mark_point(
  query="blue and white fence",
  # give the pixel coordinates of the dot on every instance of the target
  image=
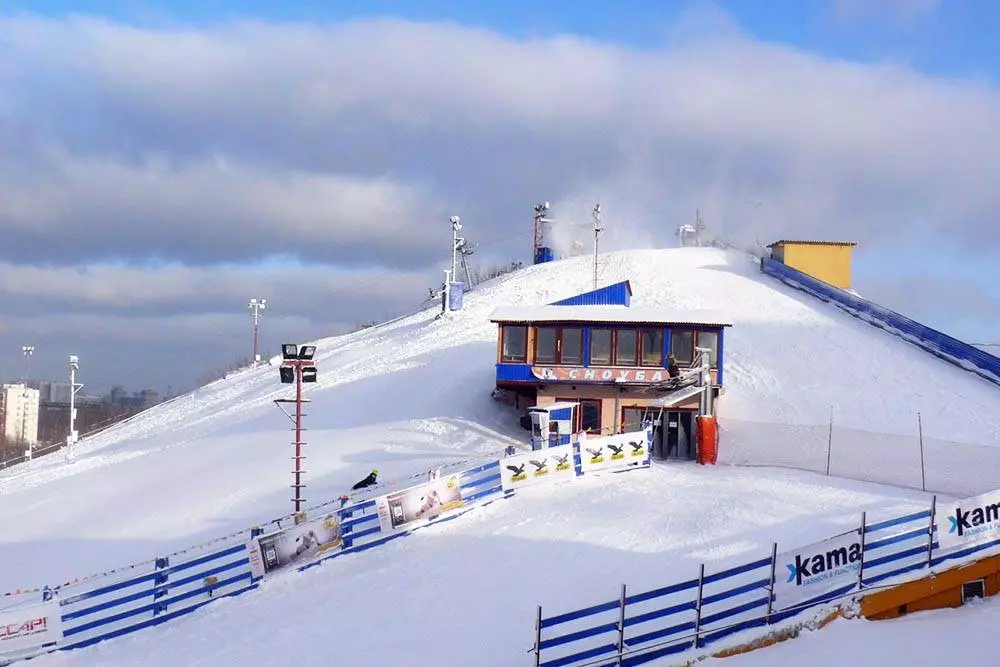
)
(939, 344)
(81, 613)
(642, 626)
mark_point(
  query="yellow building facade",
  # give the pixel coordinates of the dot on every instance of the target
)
(829, 261)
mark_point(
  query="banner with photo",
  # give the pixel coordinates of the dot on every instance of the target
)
(419, 503)
(808, 572)
(614, 451)
(292, 545)
(540, 465)
(969, 522)
(28, 627)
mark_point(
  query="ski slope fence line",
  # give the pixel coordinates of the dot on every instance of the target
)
(118, 602)
(916, 461)
(642, 626)
(937, 343)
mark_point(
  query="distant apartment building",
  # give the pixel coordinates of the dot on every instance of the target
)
(19, 409)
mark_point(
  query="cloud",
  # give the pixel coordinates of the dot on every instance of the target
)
(348, 145)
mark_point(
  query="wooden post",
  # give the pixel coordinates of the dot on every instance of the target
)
(920, 431)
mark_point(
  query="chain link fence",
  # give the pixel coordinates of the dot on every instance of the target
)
(913, 461)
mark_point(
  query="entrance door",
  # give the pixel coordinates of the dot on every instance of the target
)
(677, 435)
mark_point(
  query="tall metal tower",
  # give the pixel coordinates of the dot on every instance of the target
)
(255, 306)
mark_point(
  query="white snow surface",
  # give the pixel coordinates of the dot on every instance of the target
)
(415, 393)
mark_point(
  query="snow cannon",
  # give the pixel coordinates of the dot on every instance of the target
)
(543, 241)
(552, 424)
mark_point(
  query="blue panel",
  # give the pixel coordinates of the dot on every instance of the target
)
(739, 569)
(515, 373)
(544, 255)
(939, 344)
(586, 347)
(619, 294)
(455, 292)
(562, 414)
(580, 613)
(718, 361)
(579, 634)
(889, 523)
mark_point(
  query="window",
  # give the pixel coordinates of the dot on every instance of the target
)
(682, 345)
(632, 419)
(590, 416)
(625, 347)
(515, 343)
(651, 341)
(555, 345)
(545, 345)
(571, 348)
(973, 589)
(710, 339)
(600, 347)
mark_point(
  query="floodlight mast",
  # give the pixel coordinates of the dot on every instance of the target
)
(255, 306)
(74, 366)
(27, 350)
(297, 366)
(597, 233)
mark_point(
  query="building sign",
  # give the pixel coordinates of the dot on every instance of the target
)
(581, 374)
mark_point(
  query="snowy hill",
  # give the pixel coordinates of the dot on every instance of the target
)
(415, 393)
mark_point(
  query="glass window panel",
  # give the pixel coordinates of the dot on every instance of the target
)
(545, 345)
(710, 339)
(572, 346)
(652, 347)
(625, 347)
(590, 416)
(600, 347)
(682, 346)
(515, 343)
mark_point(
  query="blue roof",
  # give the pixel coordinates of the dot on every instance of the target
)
(619, 294)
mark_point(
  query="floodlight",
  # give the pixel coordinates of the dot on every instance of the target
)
(287, 374)
(308, 374)
(289, 351)
(307, 351)
(74, 360)
(456, 223)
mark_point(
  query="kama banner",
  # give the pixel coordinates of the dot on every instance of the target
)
(541, 465)
(419, 503)
(811, 571)
(614, 451)
(969, 522)
(27, 627)
(294, 544)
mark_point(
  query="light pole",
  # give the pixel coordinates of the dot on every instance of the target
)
(74, 366)
(539, 233)
(297, 366)
(255, 306)
(27, 350)
(597, 233)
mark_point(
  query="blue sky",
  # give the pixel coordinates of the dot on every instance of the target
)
(160, 166)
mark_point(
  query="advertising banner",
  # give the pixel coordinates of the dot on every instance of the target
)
(970, 521)
(614, 451)
(29, 627)
(810, 571)
(295, 544)
(542, 465)
(419, 503)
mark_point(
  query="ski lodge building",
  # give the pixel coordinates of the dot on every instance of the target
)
(621, 364)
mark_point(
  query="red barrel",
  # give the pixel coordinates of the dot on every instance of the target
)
(708, 440)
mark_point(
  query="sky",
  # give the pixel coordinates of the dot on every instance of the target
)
(162, 163)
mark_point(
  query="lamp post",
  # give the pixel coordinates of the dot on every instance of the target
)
(255, 306)
(27, 350)
(597, 233)
(74, 366)
(297, 367)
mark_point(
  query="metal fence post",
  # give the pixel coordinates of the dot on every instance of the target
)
(538, 637)
(770, 588)
(861, 566)
(930, 531)
(697, 606)
(829, 443)
(621, 629)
